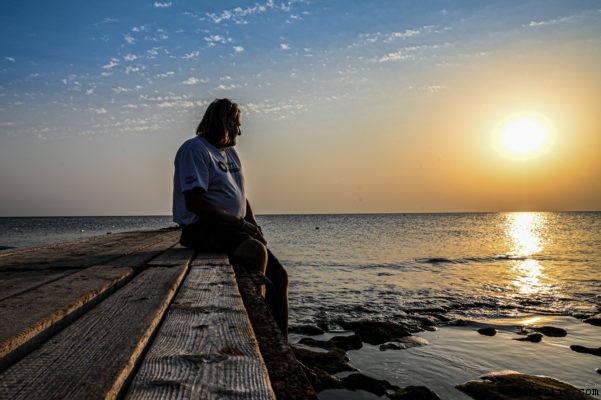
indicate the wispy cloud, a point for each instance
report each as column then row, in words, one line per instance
column 112, row 64
column 11, row 59
column 130, row 57
column 158, row 4
column 238, row 15
column 193, row 81
column 129, row 39
column 191, row 55
column 238, row 49
column 212, row 40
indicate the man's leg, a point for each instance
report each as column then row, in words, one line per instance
column 277, row 295
column 252, row 254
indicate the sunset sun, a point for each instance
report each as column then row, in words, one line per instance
column 523, row 136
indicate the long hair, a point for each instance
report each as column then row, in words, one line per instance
column 213, row 124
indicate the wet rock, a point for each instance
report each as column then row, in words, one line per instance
column 333, row 361
column 352, row 342
column 364, row 382
column 320, row 379
column 594, row 320
column 376, row 332
column 404, row 343
column 533, row 337
column 488, row 331
column 514, row 385
column 309, row 330
column 588, row 350
column 550, row 331
column 414, row 393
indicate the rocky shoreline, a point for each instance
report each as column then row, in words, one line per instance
column 327, row 365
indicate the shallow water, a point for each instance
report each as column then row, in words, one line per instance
column 455, row 355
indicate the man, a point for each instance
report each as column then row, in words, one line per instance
column 209, row 202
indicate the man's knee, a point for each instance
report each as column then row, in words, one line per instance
column 252, row 252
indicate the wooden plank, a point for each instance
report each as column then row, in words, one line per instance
column 178, row 255
column 211, row 259
column 205, row 348
column 287, row 377
column 92, row 357
column 13, row 282
column 90, row 251
column 35, row 315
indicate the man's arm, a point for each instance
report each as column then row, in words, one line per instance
column 196, row 203
column 250, row 217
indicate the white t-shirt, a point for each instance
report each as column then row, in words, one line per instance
column 199, row 164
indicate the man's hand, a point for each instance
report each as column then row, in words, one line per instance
column 254, row 231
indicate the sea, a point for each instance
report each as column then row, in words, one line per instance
column 457, row 272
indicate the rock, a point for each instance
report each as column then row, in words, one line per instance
column 352, row 342
column 363, row 382
column 550, row 331
column 533, row 337
column 414, row 393
column 506, row 385
column 333, row 361
column 404, row 343
column 309, row 330
column 376, row 332
column 598, row 370
column 594, row 320
column 589, row 350
column 320, row 379
column 488, row 331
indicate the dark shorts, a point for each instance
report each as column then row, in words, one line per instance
column 217, row 238
column 220, row 238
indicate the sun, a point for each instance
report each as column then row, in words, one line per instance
column 523, row 136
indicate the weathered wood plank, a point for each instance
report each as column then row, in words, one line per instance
column 92, row 357
column 13, row 282
column 205, row 348
column 90, row 251
column 287, row 378
column 35, row 315
column 211, row 259
column 178, row 255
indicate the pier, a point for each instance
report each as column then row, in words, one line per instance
column 136, row 316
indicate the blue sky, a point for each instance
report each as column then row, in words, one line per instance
column 96, row 96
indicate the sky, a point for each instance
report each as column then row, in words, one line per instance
column 348, row 106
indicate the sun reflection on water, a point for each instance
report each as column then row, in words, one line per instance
column 524, row 236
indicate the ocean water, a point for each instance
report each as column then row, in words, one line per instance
column 500, row 269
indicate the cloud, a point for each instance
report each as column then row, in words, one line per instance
column 191, row 55
column 284, row 46
column 238, row 49
column 238, row 14
column 213, row 39
column 129, row 39
column 112, row 64
column 121, row 89
column 11, row 59
column 100, row 110
column 395, row 56
column 158, row 4
column 193, row 81
column 130, row 57
column 167, row 74
column 90, row 91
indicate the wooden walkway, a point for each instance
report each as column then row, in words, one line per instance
column 135, row 315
